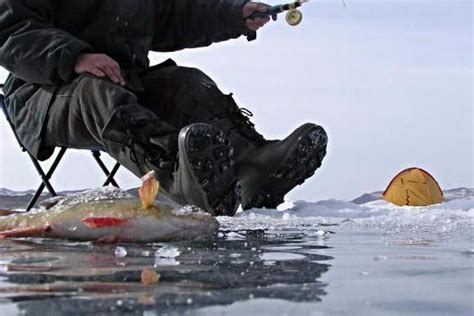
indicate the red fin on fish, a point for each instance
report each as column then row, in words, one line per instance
column 98, row 222
column 30, row 231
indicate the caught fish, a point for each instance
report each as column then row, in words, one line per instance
column 114, row 220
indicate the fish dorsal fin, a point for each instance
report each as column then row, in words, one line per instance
column 149, row 189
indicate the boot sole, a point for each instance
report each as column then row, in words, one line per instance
column 299, row 165
column 209, row 156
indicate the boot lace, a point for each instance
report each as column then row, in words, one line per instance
column 152, row 154
column 131, row 138
column 243, row 124
column 240, row 117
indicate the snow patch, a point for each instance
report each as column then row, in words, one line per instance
column 188, row 210
column 456, row 214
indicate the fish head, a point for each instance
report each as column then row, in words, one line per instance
column 158, row 223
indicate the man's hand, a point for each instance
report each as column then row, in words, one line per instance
column 251, row 7
column 99, row 65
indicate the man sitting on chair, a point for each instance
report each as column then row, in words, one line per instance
column 80, row 78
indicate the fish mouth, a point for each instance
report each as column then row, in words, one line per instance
column 197, row 222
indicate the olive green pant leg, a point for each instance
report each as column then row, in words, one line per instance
column 80, row 110
column 93, row 113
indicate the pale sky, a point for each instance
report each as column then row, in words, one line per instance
column 391, row 82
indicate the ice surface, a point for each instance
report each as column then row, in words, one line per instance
column 325, row 257
column 281, row 256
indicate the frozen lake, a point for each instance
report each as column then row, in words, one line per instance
column 327, row 257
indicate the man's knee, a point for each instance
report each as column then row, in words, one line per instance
column 94, row 100
column 177, row 79
column 193, row 77
column 101, row 92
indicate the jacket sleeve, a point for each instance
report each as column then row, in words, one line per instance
column 194, row 23
column 31, row 48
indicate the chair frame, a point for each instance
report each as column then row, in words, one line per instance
column 46, row 177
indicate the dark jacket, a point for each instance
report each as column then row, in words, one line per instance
column 41, row 39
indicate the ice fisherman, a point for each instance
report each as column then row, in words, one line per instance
column 80, row 77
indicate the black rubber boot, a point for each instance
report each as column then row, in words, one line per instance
column 192, row 97
column 268, row 169
column 206, row 175
column 236, row 125
column 141, row 142
column 268, row 173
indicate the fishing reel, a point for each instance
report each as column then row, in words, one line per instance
column 293, row 15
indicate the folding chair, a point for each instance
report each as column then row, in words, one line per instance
column 45, row 177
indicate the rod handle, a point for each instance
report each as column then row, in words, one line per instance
column 275, row 10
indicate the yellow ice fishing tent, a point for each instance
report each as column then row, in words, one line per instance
column 414, row 187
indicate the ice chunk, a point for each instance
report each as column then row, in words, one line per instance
column 120, row 252
column 167, row 252
column 166, row 256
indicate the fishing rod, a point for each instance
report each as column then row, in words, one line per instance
column 293, row 15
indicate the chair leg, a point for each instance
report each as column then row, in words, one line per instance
column 45, row 177
column 110, row 174
column 110, row 178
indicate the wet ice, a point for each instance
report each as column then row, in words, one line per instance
column 329, row 256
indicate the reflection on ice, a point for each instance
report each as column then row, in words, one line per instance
column 216, row 272
column 281, row 256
